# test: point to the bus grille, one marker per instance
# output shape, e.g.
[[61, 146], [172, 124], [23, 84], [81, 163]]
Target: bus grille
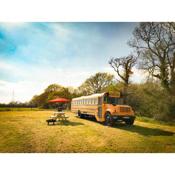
[[124, 109]]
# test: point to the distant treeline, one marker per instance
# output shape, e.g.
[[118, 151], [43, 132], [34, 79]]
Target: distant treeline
[[17, 105]]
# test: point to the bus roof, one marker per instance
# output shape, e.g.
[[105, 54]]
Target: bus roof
[[90, 96]]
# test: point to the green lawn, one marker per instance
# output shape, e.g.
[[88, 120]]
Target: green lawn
[[27, 131]]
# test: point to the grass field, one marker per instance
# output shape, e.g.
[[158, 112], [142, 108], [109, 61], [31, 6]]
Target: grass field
[[27, 131]]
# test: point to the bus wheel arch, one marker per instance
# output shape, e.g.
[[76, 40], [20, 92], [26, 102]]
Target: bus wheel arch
[[108, 119], [130, 121], [80, 114]]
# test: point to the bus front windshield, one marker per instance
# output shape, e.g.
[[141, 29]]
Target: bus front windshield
[[113, 100]]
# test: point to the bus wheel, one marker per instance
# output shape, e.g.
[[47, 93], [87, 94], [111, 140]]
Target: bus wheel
[[129, 122], [82, 116], [108, 119]]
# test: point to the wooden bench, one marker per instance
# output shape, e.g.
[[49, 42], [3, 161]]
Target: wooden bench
[[51, 120], [57, 116]]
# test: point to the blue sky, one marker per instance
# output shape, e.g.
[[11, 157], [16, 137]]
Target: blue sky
[[34, 55]]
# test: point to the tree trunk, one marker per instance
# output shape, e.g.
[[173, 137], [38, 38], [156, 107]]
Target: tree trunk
[[125, 94]]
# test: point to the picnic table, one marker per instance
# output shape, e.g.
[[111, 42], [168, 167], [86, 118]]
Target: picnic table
[[57, 116]]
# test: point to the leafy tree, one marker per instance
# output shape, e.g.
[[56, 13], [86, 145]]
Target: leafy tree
[[96, 83], [53, 88], [151, 100], [51, 92], [114, 88]]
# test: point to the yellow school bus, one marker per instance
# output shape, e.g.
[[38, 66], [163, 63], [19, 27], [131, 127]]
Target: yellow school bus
[[104, 107]]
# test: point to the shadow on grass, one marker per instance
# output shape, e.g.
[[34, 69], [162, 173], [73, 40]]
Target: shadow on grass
[[93, 119], [144, 130], [138, 129], [67, 123]]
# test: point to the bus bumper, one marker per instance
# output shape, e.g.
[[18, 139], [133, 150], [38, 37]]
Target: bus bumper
[[123, 118]]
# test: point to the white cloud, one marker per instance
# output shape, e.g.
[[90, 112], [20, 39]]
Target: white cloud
[[12, 25], [23, 90], [61, 31], [33, 80], [4, 66], [138, 76]]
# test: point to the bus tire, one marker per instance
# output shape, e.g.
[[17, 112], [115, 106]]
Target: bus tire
[[108, 119], [129, 121], [82, 116]]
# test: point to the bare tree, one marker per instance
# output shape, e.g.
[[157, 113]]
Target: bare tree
[[123, 67], [155, 45]]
